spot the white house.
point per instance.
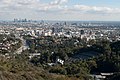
(60, 61)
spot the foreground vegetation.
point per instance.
(20, 67)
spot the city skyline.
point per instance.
(83, 10)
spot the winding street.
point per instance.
(23, 46)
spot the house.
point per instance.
(106, 74)
(101, 76)
(34, 54)
(60, 61)
(51, 64)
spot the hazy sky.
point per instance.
(100, 10)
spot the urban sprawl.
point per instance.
(61, 43)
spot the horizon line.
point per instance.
(66, 20)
